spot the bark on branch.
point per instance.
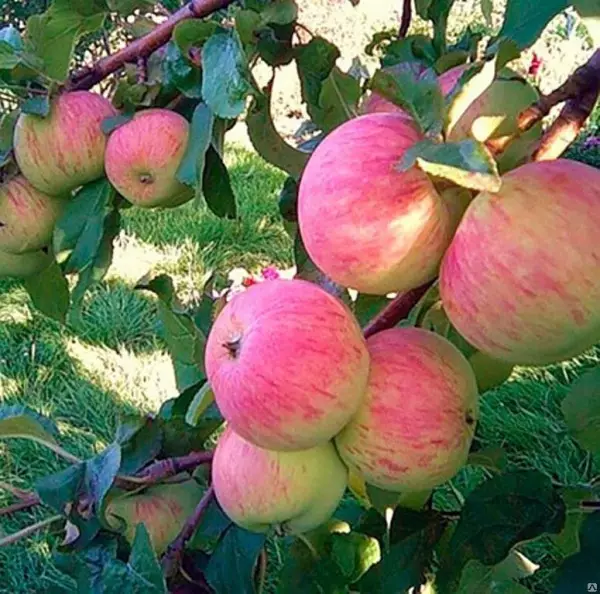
(143, 47)
(406, 18)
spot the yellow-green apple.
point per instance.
(23, 265)
(520, 280)
(375, 103)
(415, 426)
(292, 492)
(364, 223)
(288, 364)
(64, 150)
(494, 115)
(143, 155)
(27, 216)
(163, 509)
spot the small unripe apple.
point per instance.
(292, 492)
(27, 216)
(163, 509)
(364, 223)
(414, 429)
(520, 280)
(23, 265)
(288, 364)
(64, 150)
(143, 155)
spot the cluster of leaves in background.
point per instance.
(205, 73)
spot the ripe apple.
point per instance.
(23, 265)
(163, 509)
(364, 223)
(288, 364)
(27, 216)
(143, 155)
(520, 280)
(64, 150)
(415, 426)
(494, 114)
(293, 492)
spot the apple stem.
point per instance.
(406, 18)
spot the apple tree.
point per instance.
(440, 239)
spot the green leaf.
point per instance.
(100, 472)
(7, 127)
(192, 34)
(216, 186)
(112, 123)
(478, 578)
(467, 163)
(589, 11)
(9, 56)
(178, 407)
(438, 12)
(226, 79)
(61, 488)
(143, 561)
(231, 566)
(338, 100)
(49, 292)
(267, 141)
(179, 73)
(487, 8)
(354, 554)
(10, 36)
(366, 307)
(140, 439)
(20, 421)
(52, 36)
(274, 44)
(525, 20)
(126, 7)
(581, 409)
(203, 398)
(381, 499)
(213, 524)
(191, 169)
(567, 540)
(493, 458)
(579, 570)
(281, 12)
(39, 105)
(498, 514)
(416, 89)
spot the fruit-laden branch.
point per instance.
(582, 87)
(171, 560)
(397, 310)
(406, 18)
(144, 46)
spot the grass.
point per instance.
(115, 363)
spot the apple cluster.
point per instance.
(59, 153)
(309, 402)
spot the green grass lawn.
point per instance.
(115, 362)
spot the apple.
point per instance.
(288, 364)
(64, 150)
(494, 114)
(27, 216)
(414, 429)
(375, 103)
(364, 223)
(143, 155)
(23, 265)
(520, 280)
(163, 509)
(292, 492)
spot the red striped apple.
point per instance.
(520, 280)
(364, 223)
(414, 430)
(23, 265)
(288, 364)
(143, 155)
(27, 216)
(64, 150)
(293, 492)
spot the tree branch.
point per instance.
(406, 18)
(16, 536)
(27, 503)
(398, 309)
(143, 47)
(174, 555)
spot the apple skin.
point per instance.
(364, 223)
(293, 492)
(415, 427)
(288, 364)
(143, 155)
(23, 265)
(520, 280)
(163, 509)
(66, 149)
(27, 215)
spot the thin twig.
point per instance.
(406, 18)
(144, 46)
(397, 310)
(262, 572)
(15, 491)
(25, 532)
(174, 555)
(32, 501)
